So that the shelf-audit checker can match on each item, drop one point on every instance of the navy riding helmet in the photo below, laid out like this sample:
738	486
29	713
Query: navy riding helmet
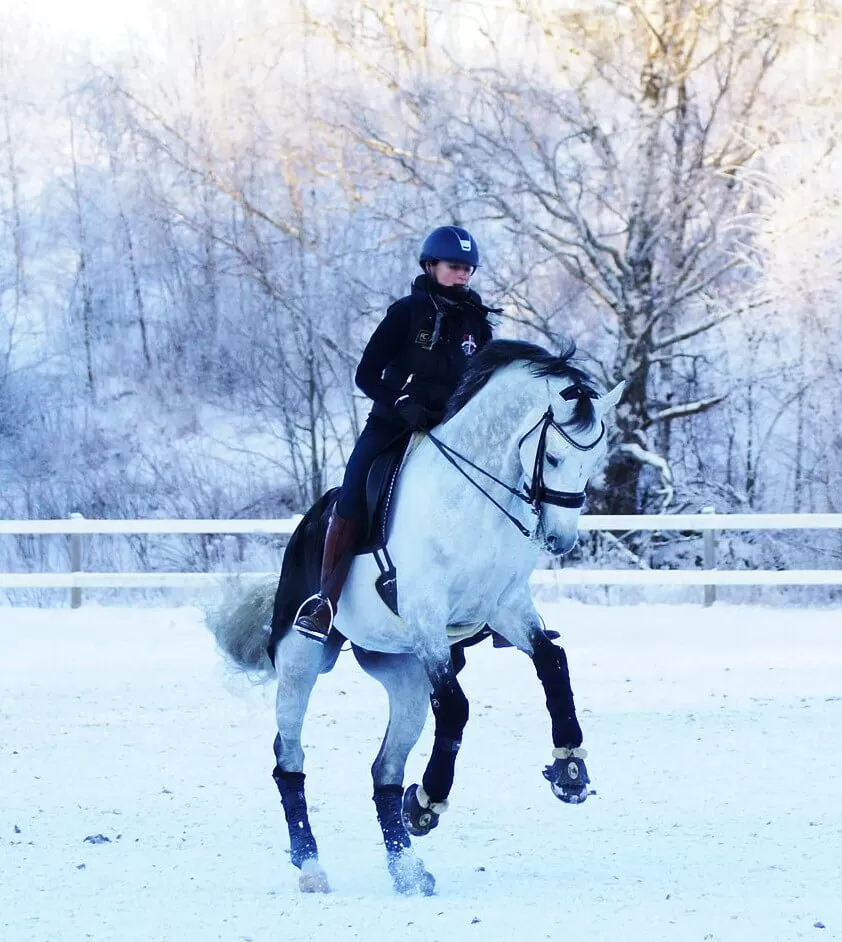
450	244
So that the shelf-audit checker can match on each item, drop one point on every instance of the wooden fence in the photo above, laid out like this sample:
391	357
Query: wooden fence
77	528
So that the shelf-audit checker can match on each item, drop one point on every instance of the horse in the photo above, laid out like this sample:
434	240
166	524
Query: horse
500	480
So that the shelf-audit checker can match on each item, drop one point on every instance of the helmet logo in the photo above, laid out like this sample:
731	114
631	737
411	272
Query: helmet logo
469	345
465	244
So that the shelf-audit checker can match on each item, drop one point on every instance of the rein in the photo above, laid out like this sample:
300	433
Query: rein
536	492
451	454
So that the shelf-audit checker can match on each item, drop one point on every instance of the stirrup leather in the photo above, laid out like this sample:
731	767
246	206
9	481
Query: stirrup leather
307	624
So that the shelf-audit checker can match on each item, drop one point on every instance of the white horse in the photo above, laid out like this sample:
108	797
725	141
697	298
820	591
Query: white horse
475	502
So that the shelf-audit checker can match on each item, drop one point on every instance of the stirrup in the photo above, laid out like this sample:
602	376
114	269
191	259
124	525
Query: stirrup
308	625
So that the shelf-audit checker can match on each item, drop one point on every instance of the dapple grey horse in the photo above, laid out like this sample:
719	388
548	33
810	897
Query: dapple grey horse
476	501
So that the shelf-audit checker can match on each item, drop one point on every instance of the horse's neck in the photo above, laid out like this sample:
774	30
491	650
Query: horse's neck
485	432
487	428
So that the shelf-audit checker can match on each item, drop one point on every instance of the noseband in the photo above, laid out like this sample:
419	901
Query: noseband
535	493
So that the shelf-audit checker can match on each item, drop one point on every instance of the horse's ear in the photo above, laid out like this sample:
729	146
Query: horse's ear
610	399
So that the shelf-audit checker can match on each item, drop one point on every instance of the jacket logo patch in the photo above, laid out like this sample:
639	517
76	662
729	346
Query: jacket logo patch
469	345
424	337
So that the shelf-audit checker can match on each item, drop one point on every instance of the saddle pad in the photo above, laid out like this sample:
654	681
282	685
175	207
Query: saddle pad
455	633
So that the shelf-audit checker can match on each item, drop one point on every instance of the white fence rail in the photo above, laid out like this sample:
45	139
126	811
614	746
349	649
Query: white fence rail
706	523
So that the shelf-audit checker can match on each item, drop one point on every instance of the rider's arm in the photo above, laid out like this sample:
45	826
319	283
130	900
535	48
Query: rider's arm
384	345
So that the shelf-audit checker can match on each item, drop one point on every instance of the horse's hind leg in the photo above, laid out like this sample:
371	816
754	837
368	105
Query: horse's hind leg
407	686
297	662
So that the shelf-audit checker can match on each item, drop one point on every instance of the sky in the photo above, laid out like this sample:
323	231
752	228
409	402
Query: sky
96	26
99	19
137	803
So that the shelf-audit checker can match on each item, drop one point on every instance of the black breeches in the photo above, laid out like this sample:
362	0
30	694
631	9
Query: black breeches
375	437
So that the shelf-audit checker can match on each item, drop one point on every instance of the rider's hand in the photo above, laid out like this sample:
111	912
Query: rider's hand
413	414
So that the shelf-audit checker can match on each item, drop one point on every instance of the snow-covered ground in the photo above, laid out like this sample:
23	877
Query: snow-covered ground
715	740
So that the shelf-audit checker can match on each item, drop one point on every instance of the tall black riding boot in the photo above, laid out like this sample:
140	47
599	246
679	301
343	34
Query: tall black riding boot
315	619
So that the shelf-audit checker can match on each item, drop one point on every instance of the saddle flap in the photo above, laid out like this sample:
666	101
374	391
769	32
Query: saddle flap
378	491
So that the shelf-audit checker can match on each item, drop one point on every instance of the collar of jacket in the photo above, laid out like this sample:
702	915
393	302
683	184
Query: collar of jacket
421	286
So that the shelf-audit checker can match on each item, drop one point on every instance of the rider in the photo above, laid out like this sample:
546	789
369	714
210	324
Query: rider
410	367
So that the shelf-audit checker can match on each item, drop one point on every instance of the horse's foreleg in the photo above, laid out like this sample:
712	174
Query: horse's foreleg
297	662
451	710
521	624
567	776
424	803
550	662
408	689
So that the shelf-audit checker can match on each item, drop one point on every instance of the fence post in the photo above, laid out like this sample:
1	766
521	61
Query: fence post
76	562
709	556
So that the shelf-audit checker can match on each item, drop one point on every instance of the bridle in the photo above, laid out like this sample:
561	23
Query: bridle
535	493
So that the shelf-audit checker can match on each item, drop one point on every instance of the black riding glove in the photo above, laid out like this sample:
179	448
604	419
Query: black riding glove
413	414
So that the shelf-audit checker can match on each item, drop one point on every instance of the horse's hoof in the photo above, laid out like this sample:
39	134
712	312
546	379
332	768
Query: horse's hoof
409	876
312	878
417	819
568	780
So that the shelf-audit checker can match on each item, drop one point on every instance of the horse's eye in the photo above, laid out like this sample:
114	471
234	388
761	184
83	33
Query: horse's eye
552	461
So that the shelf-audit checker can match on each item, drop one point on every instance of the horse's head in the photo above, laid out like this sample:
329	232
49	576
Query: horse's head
560	448
516	395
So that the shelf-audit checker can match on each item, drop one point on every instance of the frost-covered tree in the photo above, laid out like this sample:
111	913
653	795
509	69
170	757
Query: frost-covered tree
612	150
625	167
204	231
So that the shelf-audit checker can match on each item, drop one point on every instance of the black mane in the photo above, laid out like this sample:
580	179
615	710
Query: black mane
499	353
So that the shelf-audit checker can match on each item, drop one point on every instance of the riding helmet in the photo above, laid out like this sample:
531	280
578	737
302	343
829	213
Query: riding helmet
450	244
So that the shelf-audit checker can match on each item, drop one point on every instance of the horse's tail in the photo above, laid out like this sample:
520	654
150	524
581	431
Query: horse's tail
241	628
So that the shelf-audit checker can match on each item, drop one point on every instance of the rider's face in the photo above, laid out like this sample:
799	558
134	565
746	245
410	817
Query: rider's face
449	274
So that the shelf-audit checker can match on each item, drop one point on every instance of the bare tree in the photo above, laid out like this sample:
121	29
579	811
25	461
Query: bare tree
620	165
13	215
84	304
627	174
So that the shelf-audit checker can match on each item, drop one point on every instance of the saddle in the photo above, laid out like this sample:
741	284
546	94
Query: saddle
378	493
380	485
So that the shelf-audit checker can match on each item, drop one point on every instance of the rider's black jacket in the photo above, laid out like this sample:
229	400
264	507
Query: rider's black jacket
421	348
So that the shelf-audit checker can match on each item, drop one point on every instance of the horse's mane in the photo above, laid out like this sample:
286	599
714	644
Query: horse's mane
500	353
